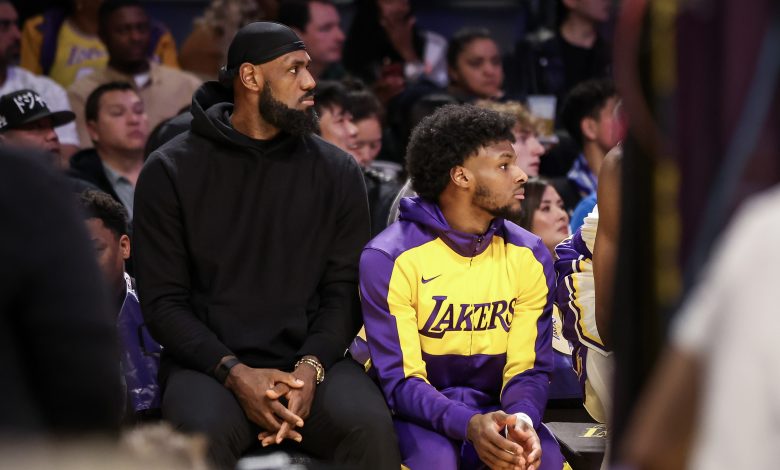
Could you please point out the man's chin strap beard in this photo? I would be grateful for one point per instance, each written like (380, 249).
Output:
(284, 118)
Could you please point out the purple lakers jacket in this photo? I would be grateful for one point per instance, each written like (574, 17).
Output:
(457, 324)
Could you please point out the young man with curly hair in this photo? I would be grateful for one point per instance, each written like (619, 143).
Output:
(457, 303)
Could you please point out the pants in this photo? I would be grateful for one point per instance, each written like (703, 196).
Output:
(349, 422)
(598, 385)
(598, 392)
(423, 448)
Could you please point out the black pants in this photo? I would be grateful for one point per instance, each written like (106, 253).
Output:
(349, 421)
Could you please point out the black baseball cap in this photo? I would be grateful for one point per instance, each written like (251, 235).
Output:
(258, 43)
(26, 106)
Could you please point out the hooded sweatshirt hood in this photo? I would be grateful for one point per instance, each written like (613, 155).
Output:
(212, 106)
(429, 215)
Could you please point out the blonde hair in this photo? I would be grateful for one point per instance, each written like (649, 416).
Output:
(522, 116)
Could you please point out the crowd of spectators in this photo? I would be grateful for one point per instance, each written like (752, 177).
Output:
(99, 87)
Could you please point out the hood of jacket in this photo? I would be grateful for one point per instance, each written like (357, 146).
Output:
(428, 215)
(212, 106)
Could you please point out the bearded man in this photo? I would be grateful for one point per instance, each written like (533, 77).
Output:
(457, 303)
(248, 231)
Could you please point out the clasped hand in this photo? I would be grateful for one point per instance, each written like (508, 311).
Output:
(519, 449)
(259, 392)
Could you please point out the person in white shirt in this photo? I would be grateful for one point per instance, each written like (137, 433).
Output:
(13, 78)
(712, 401)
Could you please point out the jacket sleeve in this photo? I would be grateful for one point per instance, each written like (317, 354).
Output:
(162, 272)
(333, 325)
(530, 355)
(166, 50)
(393, 340)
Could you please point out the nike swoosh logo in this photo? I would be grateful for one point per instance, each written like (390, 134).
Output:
(426, 281)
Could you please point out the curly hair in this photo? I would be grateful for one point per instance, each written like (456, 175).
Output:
(99, 205)
(446, 139)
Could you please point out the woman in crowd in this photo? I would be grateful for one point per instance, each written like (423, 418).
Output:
(543, 213)
(474, 66)
(203, 52)
(553, 62)
(63, 43)
(387, 50)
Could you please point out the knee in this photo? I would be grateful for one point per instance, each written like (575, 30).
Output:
(227, 430)
(552, 458)
(369, 426)
(429, 451)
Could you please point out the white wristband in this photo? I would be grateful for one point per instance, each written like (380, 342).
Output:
(525, 418)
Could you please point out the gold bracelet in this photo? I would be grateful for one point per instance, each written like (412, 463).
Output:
(320, 371)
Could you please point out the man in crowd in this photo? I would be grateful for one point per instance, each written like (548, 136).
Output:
(13, 78)
(247, 231)
(124, 29)
(107, 225)
(590, 119)
(457, 303)
(27, 122)
(318, 24)
(118, 127)
(333, 106)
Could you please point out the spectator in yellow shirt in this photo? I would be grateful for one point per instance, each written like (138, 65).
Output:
(63, 43)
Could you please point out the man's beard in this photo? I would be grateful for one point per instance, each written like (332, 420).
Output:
(486, 200)
(285, 118)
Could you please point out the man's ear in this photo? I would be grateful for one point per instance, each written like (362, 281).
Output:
(251, 77)
(589, 128)
(92, 130)
(124, 246)
(461, 177)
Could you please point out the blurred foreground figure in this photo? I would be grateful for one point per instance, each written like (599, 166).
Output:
(57, 334)
(713, 401)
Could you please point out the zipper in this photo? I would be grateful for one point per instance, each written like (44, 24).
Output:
(479, 242)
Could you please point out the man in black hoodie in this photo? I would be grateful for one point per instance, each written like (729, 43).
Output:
(248, 230)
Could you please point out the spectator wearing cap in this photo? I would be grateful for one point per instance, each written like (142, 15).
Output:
(248, 230)
(13, 78)
(26, 121)
(124, 28)
(118, 126)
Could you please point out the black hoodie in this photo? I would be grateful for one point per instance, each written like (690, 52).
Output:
(248, 247)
